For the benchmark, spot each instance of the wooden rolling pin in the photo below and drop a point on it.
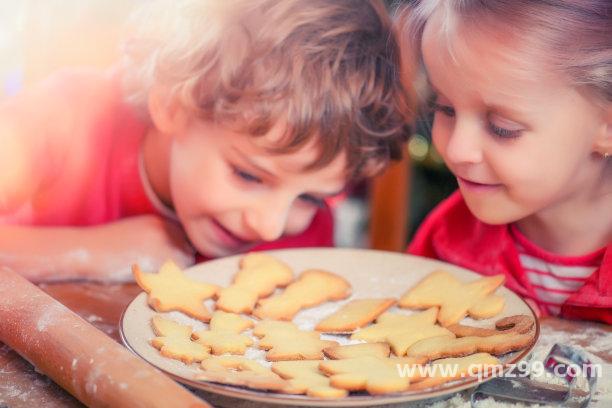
(77, 356)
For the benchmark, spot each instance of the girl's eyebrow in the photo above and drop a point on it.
(505, 111)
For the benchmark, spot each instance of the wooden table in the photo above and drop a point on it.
(102, 305)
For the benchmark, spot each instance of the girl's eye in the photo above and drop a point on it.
(443, 109)
(503, 132)
(503, 128)
(246, 176)
(309, 199)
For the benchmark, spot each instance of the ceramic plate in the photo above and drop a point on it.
(371, 274)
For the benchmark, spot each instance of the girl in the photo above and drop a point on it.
(227, 126)
(522, 96)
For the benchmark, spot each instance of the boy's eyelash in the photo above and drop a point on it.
(246, 176)
(319, 202)
(445, 110)
(503, 133)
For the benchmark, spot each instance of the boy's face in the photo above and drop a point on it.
(230, 193)
(518, 138)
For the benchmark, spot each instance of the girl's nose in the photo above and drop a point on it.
(465, 143)
(268, 219)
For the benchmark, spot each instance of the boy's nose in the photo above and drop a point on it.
(465, 144)
(268, 221)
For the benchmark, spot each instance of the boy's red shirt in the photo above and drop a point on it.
(105, 133)
(452, 234)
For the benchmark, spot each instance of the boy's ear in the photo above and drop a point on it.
(166, 112)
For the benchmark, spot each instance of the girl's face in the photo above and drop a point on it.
(231, 193)
(518, 138)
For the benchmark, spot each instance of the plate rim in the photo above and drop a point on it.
(276, 398)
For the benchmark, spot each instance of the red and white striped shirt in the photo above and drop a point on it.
(554, 278)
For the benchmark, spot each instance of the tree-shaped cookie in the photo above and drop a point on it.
(285, 342)
(174, 341)
(310, 289)
(401, 331)
(357, 350)
(449, 369)
(373, 374)
(455, 299)
(305, 378)
(224, 334)
(258, 276)
(170, 289)
(238, 370)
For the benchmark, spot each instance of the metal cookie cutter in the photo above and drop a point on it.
(564, 362)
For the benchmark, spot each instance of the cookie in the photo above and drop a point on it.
(231, 322)
(389, 323)
(353, 315)
(312, 288)
(285, 342)
(238, 370)
(449, 369)
(511, 324)
(259, 275)
(455, 299)
(381, 350)
(373, 374)
(446, 346)
(305, 378)
(170, 289)
(174, 341)
(273, 326)
(402, 331)
(223, 336)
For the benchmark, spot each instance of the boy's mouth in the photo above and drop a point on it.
(227, 237)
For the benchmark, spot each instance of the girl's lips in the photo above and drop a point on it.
(227, 237)
(476, 186)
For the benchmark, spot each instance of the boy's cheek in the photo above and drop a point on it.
(298, 221)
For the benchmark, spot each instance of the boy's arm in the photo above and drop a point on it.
(19, 177)
(104, 252)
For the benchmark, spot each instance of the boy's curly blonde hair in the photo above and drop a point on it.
(329, 69)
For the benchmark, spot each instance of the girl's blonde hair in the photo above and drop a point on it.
(573, 37)
(326, 68)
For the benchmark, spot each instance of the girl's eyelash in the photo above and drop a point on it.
(246, 176)
(495, 130)
(319, 202)
(503, 133)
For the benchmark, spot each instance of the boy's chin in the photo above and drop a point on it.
(210, 250)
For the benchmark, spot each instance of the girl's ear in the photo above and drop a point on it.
(166, 112)
(603, 141)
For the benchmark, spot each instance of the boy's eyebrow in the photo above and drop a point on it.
(253, 164)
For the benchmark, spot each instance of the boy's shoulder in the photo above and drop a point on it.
(68, 97)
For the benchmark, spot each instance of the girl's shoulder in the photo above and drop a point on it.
(452, 226)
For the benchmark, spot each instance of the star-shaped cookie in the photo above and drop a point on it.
(170, 289)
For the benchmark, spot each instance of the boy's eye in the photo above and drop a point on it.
(246, 176)
(310, 199)
(444, 109)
